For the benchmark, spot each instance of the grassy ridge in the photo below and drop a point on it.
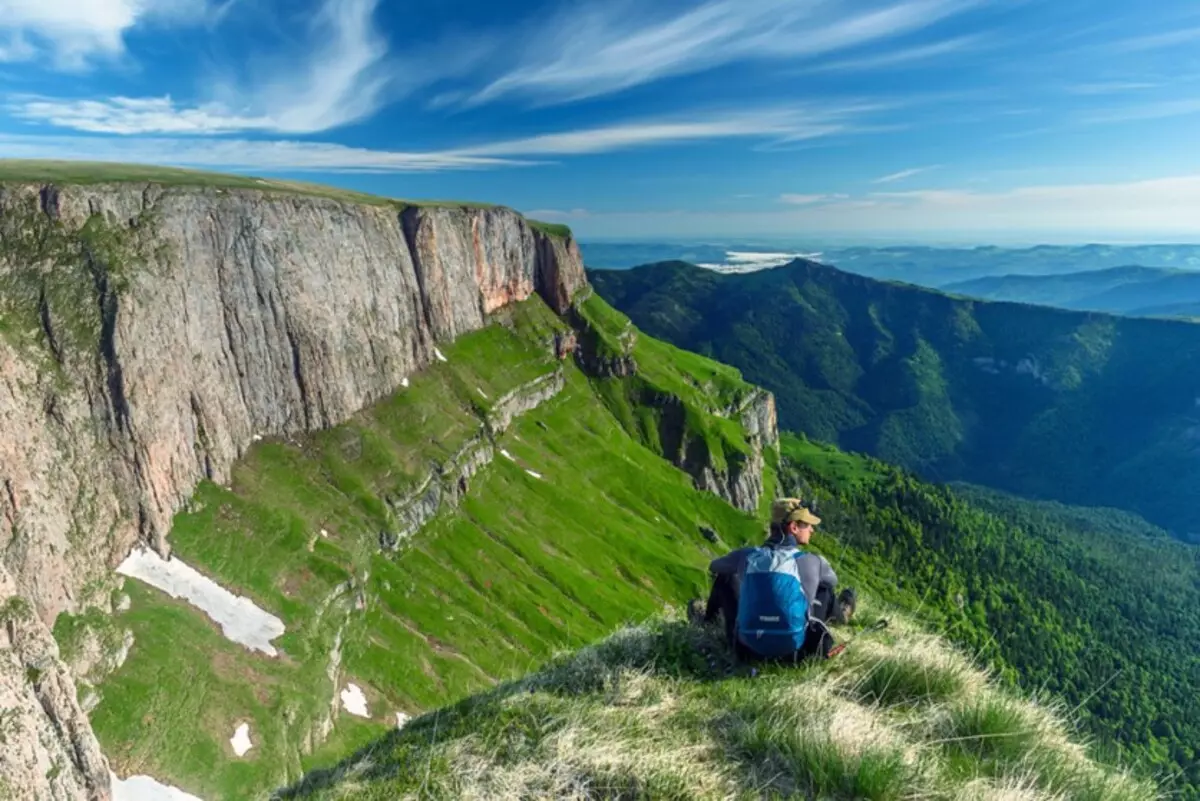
(645, 714)
(522, 569)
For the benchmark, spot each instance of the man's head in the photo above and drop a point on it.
(790, 516)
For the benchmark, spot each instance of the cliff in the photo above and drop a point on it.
(149, 334)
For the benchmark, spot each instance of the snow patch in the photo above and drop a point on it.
(324, 533)
(144, 788)
(507, 455)
(404, 381)
(354, 702)
(439, 355)
(239, 618)
(241, 740)
(402, 720)
(535, 475)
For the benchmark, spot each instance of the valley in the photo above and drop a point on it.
(1083, 408)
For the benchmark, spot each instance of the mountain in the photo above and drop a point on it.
(939, 267)
(1140, 291)
(936, 267)
(1083, 408)
(284, 469)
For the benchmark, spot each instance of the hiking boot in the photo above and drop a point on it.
(695, 612)
(847, 600)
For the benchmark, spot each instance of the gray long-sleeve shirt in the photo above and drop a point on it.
(814, 570)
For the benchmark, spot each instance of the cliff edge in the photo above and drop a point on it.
(150, 333)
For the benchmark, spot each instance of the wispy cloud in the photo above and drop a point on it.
(74, 34)
(1145, 209)
(1158, 41)
(774, 123)
(1145, 111)
(902, 174)
(243, 154)
(1110, 87)
(611, 46)
(756, 123)
(337, 76)
(808, 200)
(558, 214)
(898, 57)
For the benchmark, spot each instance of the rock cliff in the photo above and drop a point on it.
(148, 334)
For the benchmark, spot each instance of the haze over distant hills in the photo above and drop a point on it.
(928, 266)
(1140, 291)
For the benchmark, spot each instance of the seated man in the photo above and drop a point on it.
(776, 599)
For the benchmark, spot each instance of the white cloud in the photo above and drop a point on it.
(893, 58)
(786, 124)
(1159, 41)
(240, 154)
(773, 123)
(607, 47)
(1110, 87)
(902, 174)
(337, 76)
(558, 214)
(1146, 111)
(807, 200)
(77, 32)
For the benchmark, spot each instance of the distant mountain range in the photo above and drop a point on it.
(1141, 291)
(1079, 407)
(927, 266)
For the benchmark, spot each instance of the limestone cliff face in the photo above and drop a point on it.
(148, 334)
(155, 331)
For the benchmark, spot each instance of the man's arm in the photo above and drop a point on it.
(728, 564)
(827, 574)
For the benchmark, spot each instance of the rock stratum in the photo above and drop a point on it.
(149, 334)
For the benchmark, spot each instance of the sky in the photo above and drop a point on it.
(956, 120)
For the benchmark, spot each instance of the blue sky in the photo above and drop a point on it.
(1046, 120)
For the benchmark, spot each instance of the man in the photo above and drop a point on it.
(777, 599)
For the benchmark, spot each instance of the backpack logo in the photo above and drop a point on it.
(772, 609)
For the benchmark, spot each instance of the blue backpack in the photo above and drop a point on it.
(772, 614)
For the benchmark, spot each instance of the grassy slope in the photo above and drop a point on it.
(645, 714)
(1078, 407)
(524, 568)
(88, 172)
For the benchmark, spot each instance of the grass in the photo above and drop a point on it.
(93, 172)
(682, 405)
(659, 711)
(519, 570)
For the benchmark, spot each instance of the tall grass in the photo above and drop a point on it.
(636, 717)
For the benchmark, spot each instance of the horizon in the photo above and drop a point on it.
(917, 121)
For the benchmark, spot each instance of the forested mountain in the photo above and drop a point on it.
(1084, 408)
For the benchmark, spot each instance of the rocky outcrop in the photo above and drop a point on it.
(149, 334)
(47, 749)
(447, 483)
(524, 398)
